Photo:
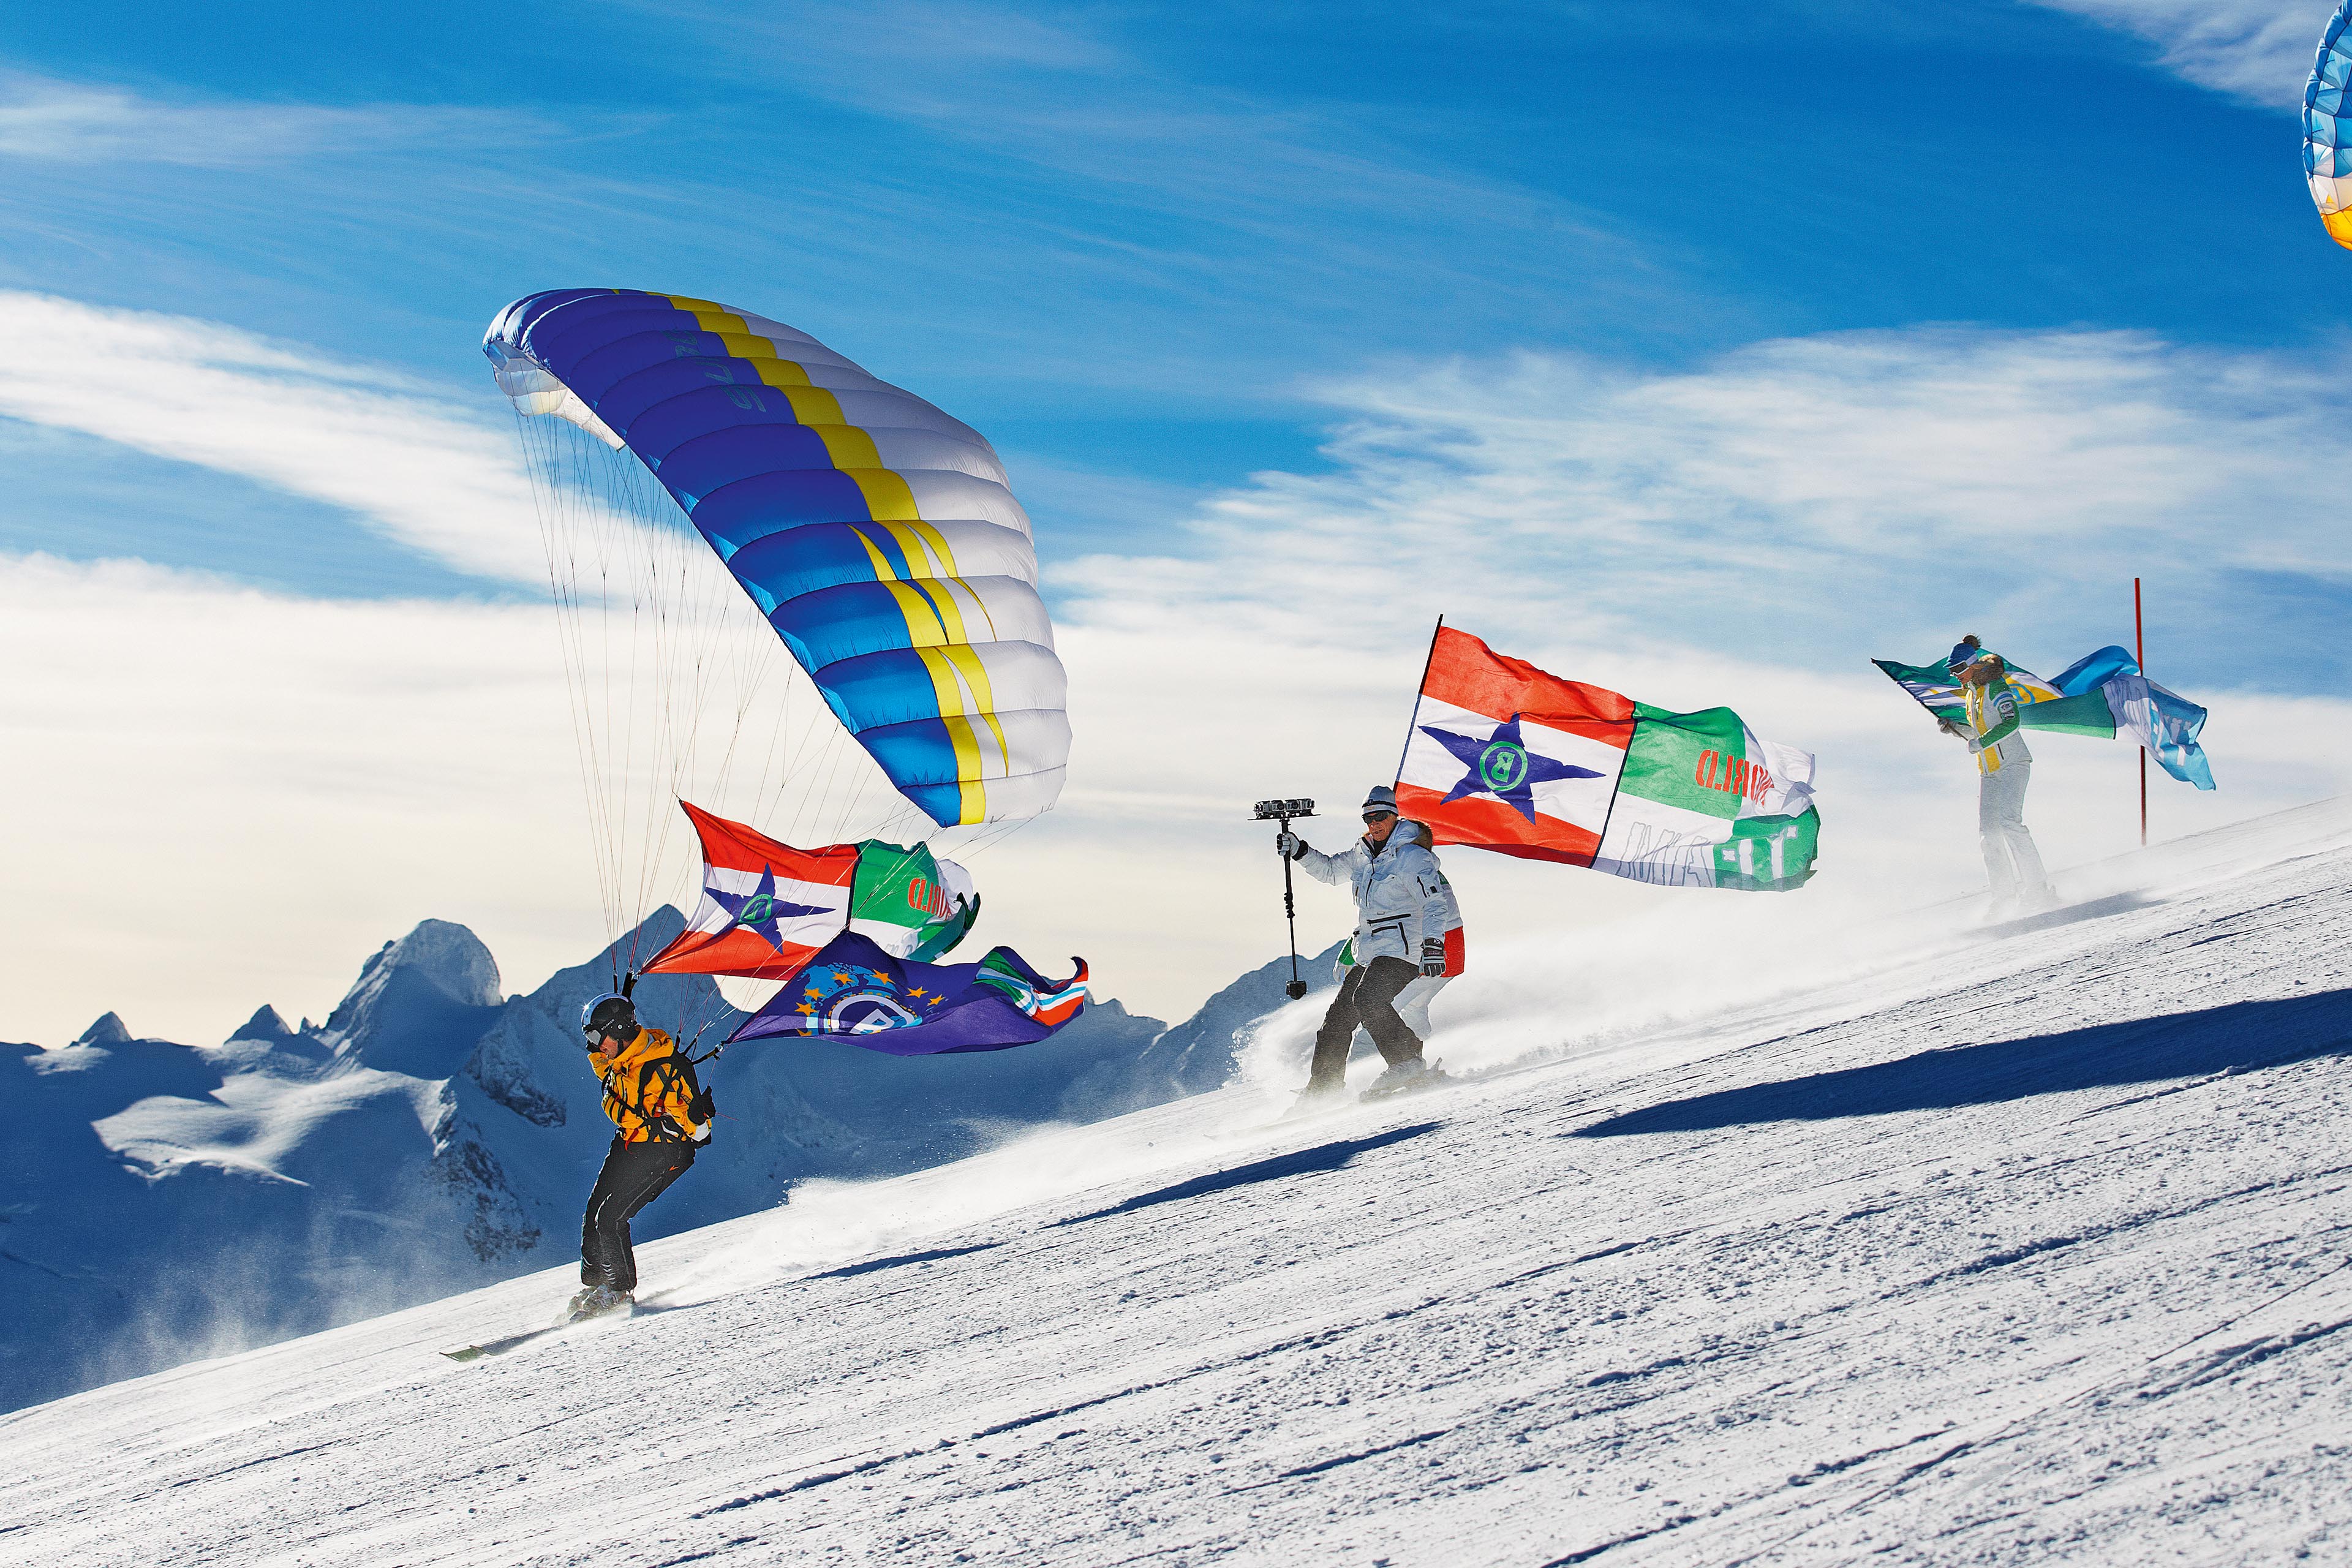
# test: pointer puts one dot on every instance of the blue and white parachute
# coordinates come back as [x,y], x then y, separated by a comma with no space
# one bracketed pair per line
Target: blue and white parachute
[875,534]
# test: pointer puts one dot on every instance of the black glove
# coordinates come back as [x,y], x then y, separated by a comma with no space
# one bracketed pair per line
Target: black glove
[1432,957]
[1288,845]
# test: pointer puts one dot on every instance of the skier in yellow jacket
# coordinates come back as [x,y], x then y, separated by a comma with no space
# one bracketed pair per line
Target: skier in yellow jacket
[663,1119]
[2004,768]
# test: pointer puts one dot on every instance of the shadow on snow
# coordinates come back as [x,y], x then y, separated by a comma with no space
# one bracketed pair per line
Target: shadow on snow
[2239,1037]
[850,1271]
[1298,1163]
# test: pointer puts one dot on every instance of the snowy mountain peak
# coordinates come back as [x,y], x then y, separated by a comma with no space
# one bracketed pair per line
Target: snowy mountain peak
[266,1024]
[420,1003]
[108,1030]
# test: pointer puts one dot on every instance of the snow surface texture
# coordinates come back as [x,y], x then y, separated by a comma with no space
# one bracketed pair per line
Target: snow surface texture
[159,1203]
[2030,1246]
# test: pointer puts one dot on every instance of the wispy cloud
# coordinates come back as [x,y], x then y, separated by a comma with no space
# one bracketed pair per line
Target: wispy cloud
[2260,51]
[1124,169]
[1918,472]
[436,477]
[1747,531]
[50,119]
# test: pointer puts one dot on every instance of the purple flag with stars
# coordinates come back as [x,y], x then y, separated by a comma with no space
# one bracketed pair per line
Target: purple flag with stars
[857,993]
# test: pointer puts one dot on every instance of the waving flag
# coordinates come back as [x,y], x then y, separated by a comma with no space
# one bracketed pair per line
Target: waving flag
[766,906]
[2103,694]
[1504,756]
[910,901]
[855,992]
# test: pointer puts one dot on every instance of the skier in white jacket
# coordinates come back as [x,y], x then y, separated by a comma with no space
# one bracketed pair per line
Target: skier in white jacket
[1401,904]
[1445,917]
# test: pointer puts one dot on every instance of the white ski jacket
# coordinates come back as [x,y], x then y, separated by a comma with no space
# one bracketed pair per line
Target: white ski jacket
[1400,895]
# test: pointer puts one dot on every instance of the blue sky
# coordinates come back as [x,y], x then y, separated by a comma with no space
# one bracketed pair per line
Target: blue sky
[1126,240]
[1736,337]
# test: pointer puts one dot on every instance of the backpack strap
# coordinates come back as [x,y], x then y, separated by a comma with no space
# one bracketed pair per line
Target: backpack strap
[637,1107]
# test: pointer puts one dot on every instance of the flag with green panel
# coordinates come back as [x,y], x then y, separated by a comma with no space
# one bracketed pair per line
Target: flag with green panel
[910,903]
[1703,801]
[1505,756]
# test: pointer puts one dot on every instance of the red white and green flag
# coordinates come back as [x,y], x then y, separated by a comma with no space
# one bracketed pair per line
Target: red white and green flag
[1504,756]
[767,908]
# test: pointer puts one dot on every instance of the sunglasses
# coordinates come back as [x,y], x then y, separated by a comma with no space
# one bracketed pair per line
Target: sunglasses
[1378,816]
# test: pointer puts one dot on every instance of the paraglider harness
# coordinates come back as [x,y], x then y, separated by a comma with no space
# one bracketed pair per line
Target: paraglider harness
[699,1103]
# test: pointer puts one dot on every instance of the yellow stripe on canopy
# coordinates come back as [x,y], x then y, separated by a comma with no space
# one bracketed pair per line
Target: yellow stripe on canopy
[887,498]
[850,448]
[710,316]
[967,659]
[741,344]
[784,375]
[924,628]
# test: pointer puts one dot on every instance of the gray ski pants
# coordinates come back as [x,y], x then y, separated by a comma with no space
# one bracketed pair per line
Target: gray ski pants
[2012,865]
[1367,996]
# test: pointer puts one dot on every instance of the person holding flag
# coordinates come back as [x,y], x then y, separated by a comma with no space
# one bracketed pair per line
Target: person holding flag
[1403,905]
[662,1118]
[2004,767]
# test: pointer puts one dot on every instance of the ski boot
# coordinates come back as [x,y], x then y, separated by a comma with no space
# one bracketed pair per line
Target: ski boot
[1406,1077]
[601,1301]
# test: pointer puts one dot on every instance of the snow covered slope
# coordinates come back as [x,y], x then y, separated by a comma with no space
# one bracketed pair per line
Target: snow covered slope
[160,1201]
[2030,1245]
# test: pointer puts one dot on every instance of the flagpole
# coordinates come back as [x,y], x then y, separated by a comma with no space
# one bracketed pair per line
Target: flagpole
[2139,651]
[1427,665]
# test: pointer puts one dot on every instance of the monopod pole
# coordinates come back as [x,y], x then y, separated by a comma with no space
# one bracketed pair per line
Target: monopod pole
[2139,652]
[1297,987]
[1282,811]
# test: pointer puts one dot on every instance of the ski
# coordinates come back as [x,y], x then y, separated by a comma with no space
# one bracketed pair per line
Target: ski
[488,1348]
[500,1347]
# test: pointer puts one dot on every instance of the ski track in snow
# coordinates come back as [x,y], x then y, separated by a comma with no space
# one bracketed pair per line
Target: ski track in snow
[2035,1248]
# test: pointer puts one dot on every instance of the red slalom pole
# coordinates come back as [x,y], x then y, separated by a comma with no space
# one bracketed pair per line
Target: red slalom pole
[2139,651]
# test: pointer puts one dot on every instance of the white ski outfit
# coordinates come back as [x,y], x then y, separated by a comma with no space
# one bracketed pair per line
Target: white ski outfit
[2012,864]
[1442,919]
[1401,899]
[1400,895]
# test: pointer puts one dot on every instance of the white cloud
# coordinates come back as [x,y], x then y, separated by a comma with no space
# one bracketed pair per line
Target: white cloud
[437,477]
[239,795]
[2260,51]
[47,119]
[1872,483]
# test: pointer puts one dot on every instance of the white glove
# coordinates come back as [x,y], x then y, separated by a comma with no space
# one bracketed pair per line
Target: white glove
[1948,727]
[1288,845]
[700,1135]
[1432,957]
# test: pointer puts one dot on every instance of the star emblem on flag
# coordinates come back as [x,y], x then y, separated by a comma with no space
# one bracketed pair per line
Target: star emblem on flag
[758,911]
[1502,766]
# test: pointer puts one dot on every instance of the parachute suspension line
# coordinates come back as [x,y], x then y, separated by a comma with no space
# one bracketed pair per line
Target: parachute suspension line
[989,840]
[551,497]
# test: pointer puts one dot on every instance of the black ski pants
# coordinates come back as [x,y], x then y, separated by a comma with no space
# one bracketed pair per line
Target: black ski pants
[634,1174]
[1366,998]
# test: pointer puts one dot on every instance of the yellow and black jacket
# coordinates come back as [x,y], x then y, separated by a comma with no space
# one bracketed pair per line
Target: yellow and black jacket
[649,1091]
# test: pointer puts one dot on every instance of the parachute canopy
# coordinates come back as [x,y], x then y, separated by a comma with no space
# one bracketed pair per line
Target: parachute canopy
[875,534]
[2327,161]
